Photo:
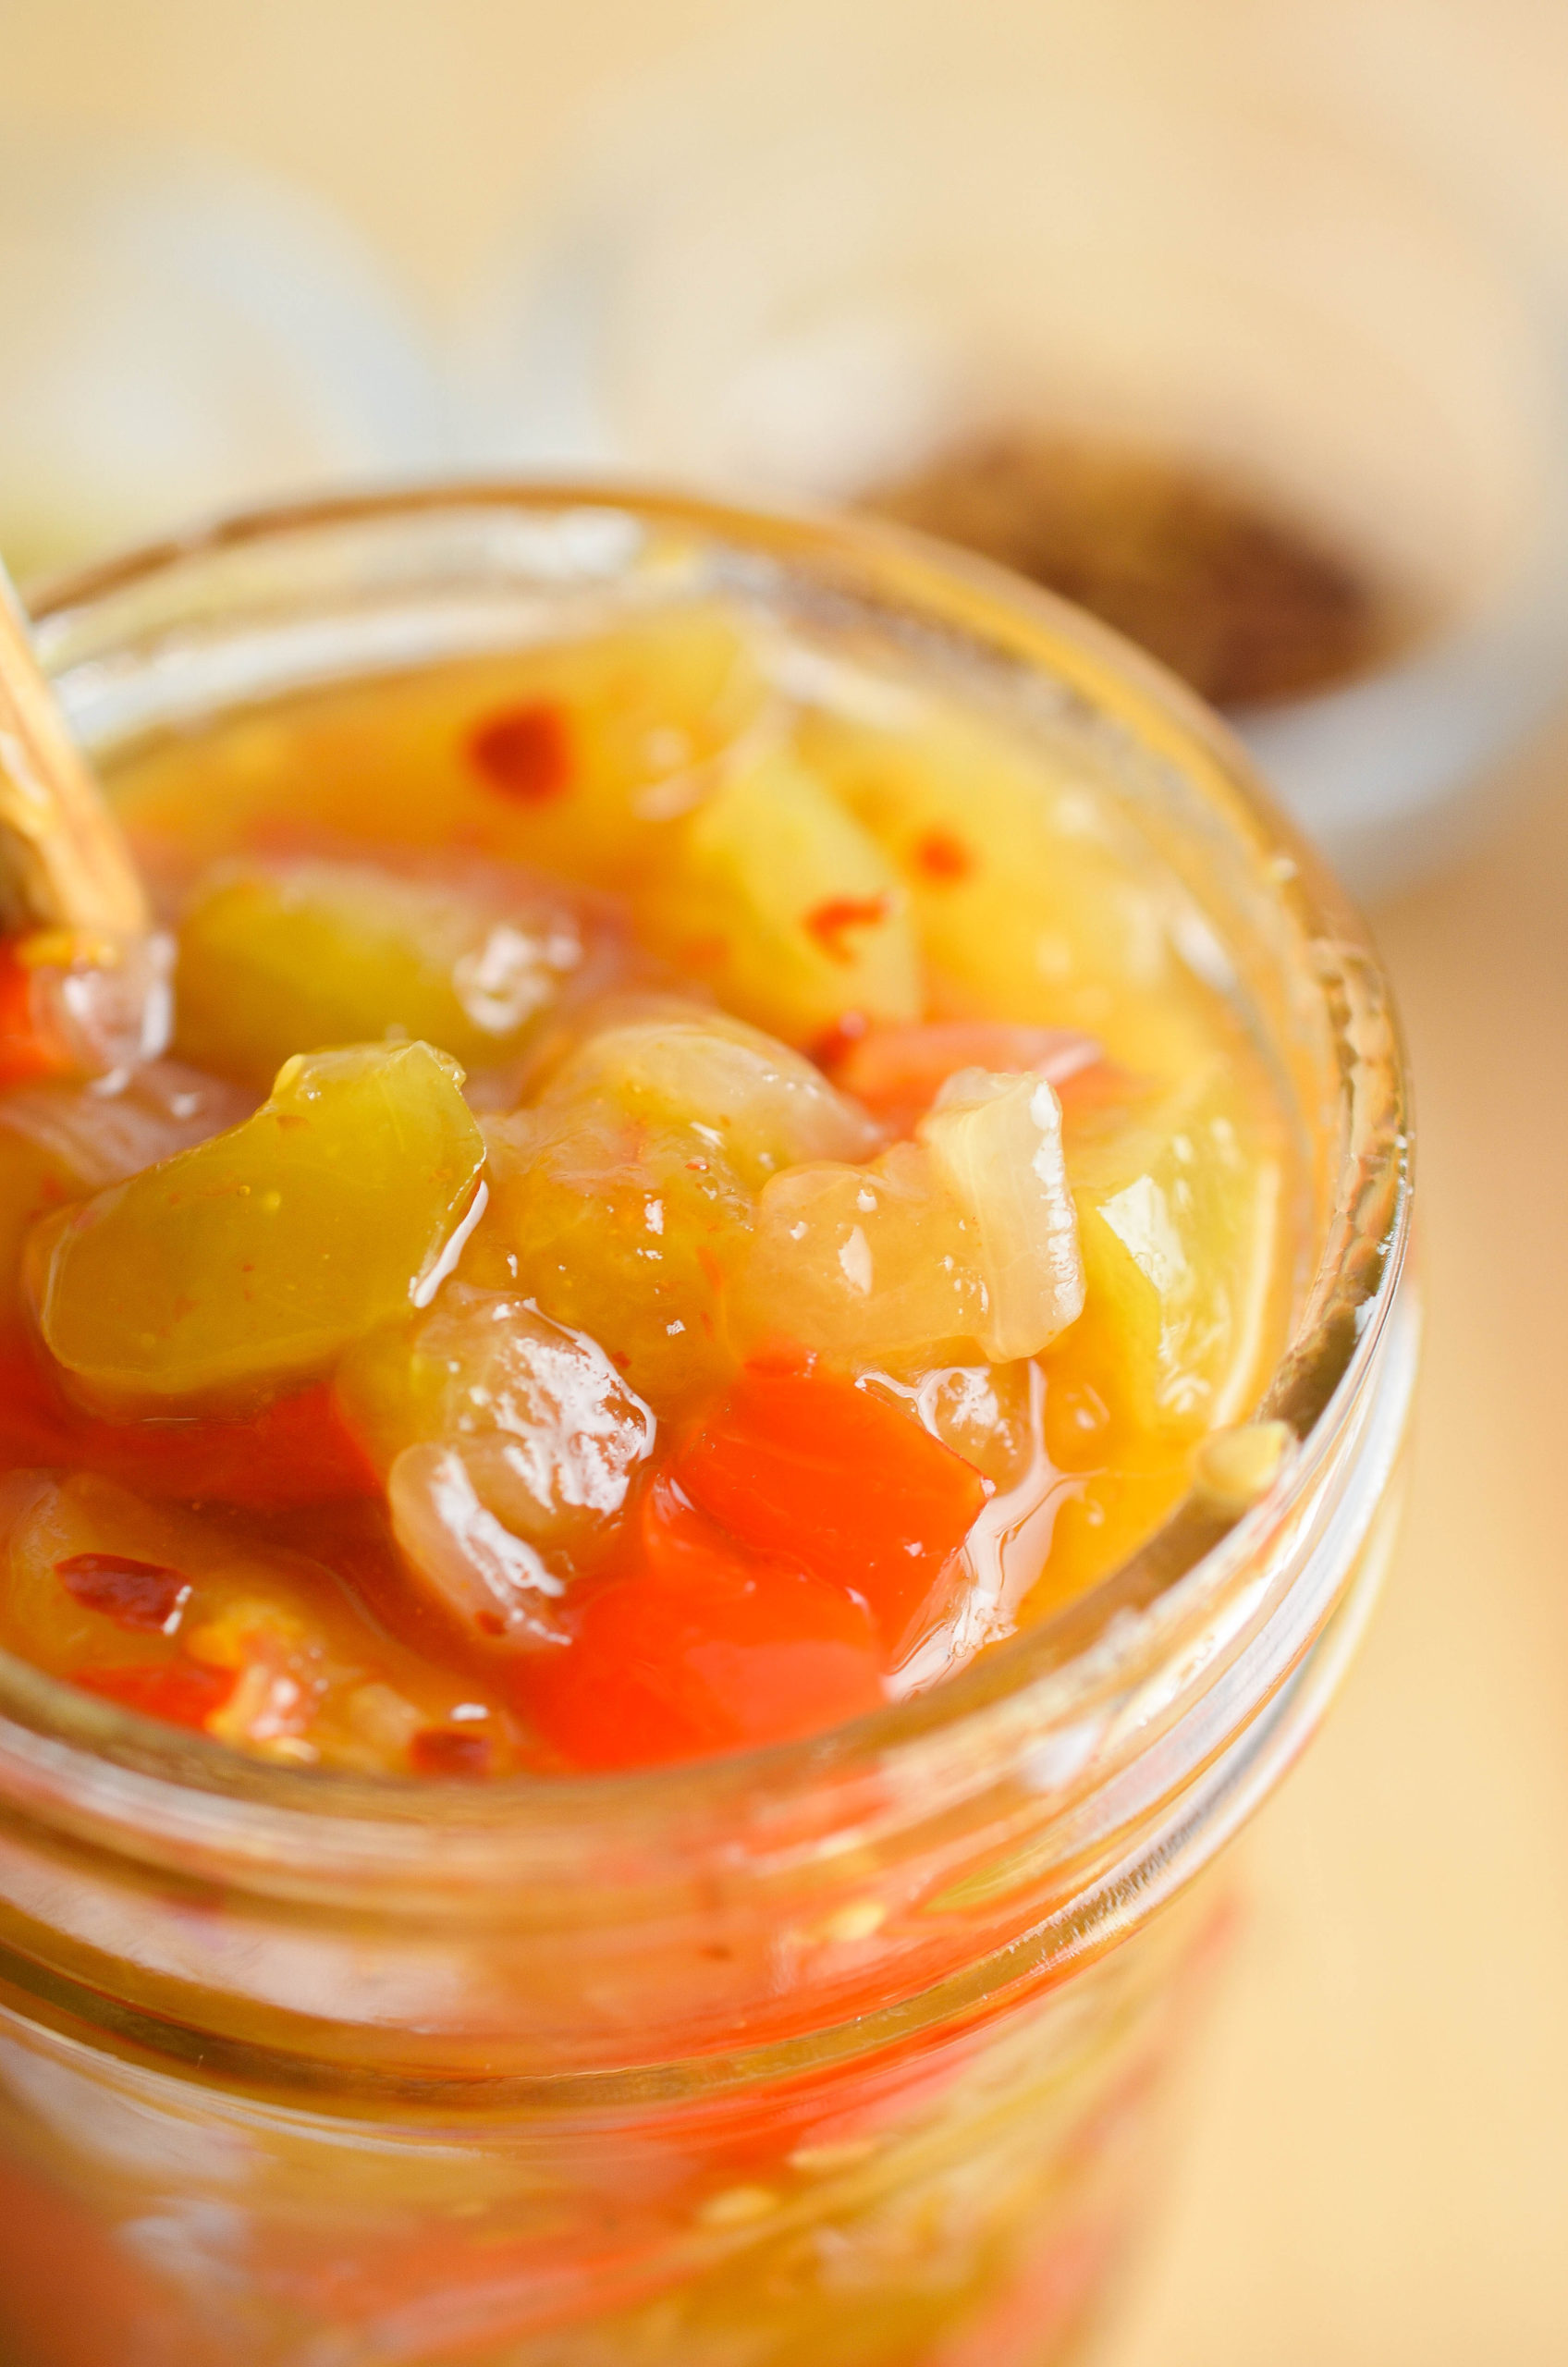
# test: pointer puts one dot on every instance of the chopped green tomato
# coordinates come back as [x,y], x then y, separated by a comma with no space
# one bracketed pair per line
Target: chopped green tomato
[258,1257]
[1024,897]
[786,907]
[996,1145]
[631,1232]
[701,1647]
[593,748]
[59,1142]
[509,1442]
[761,1106]
[869,1265]
[283,957]
[578,757]
[1179,1215]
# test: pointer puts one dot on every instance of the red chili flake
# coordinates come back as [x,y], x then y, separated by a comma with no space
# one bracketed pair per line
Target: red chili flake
[942,856]
[831,920]
[524,752]
[183,1694]
[146,1597]
[446,1750]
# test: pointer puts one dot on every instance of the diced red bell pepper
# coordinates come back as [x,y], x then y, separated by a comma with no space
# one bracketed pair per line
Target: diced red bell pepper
[295,1451]
[697,1647]
[181,1692]
[799,1462]
[30,1047]
[897,1072]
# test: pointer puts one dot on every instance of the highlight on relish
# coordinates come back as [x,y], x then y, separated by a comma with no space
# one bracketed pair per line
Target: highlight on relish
[691,1194]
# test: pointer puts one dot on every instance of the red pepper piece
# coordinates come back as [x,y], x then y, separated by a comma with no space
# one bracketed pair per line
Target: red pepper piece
[30,1047]
[897,1072]
[146,1597]
[293,1453]
[797,1461]
[523,753]
[699,1648]
[183,1693]
[34,1422]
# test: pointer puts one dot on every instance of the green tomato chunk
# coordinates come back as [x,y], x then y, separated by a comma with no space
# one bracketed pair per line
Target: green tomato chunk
[253,1260]
[292,957]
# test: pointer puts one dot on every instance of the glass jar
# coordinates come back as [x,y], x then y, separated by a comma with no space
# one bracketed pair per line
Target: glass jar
[850,2051]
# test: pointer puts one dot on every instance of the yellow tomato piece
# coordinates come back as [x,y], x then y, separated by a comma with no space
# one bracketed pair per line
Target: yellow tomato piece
[256,1259]
[278,958]
[786,907]
[1179,1215]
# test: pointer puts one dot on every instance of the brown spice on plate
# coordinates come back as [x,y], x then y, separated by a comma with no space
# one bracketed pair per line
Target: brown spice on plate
[1244,604]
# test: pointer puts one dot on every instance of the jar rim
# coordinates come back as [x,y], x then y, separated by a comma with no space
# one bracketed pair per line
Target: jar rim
[57,1742]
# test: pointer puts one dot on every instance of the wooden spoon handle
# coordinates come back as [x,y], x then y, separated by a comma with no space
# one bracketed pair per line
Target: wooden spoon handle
[64,863]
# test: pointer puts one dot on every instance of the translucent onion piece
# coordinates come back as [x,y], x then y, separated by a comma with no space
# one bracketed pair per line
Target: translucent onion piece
[548,1431]
[104,1132]
[493,1584]
[873,1266]
[768,1107]
[996,1145]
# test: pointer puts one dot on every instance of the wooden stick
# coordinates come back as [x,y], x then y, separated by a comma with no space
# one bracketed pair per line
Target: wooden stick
[64,862]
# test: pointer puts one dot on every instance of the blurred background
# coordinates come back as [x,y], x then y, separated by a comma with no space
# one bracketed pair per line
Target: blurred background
[1246,323]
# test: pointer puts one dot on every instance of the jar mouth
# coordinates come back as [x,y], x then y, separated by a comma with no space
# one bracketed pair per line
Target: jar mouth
[56,1740]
